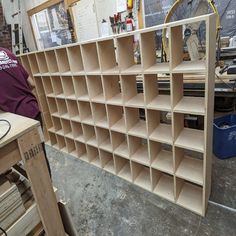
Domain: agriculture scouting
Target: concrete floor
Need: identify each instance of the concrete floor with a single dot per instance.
(102, 204)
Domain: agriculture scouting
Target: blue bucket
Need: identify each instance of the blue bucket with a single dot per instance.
(224, 136)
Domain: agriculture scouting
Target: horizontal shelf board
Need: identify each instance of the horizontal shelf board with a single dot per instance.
(80, 139)
(190, 67)
(139, 129)
(191, 105)
(122, 150)
(64, 149)
(165, 187)
(61, 95)
(52, 130)
(96, 162)
(102, 123)
(162, 134)
(75, 118)
(99, 98)
(191, 139)
(69, 135)
(135, 69)
(158, 68)
(74, 153)
(136, 101)
(60, 132)
(116, 100)
(71, 97)
(106, 145)
(114, 70)
(37, 74)
(66, 73)
(83, 98)
(141, 156)
(92, 141)
(125, 172)
(190, 197)
(45, 74)
(160, 102)
(55, 73)
(143, 179)
(84, 157)
(51, 95)
(191, 169)
(164, 162)
(119, 126)
(110, 166)
(88, 120)
(94, 72)
(81, 72)
(56, 114)
(65, 116)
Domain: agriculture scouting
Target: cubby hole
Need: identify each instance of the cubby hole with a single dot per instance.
(57, 125)
(43, 104)
(47, 83)
(61, 142)
(112, 89)
(62, 108)
(52, 138)
(66, 126)
(141, 175)
(107, 161)
(77, 131)
(106, 52)
(51, 61)
(93, 156)
(136, 122)
(187, 135)
(100, 115)
(122, 167)
(75, 59)
(138, 148)
(90, 58)
(25, 63)
(132, 89)
(163, 184)
(33, 63)
(189, 165)
(95, 88)
(129, 58)
(151, 50)
(73, 110)
(57, 86)
(156, 94)
(120, 144)
(185, 104)
(70, 145)
(159, 126)
(189, 195)
(81, 151)
(89, 135)
(85, 113)
(47, 120)
(43, 68)
(81, 90)
(68, 87)
(52, 106)
(116, 118)
(179, 46)
(103, 139)
(161, 157)
(62, 60)
(39, 85)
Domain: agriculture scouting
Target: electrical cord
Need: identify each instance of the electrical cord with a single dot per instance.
(8, 130)
(4, 232)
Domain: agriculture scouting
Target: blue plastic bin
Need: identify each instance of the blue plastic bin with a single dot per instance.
(224, 136)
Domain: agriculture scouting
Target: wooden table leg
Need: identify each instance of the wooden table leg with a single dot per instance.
(35, 165)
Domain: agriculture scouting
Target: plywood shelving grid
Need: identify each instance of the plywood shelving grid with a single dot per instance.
(93, 110)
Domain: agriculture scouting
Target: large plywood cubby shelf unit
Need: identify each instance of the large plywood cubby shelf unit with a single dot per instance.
(92, 109)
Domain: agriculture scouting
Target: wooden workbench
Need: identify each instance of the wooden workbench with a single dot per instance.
(23, 143)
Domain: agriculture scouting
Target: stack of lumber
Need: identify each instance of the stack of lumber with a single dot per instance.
(11, 205)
